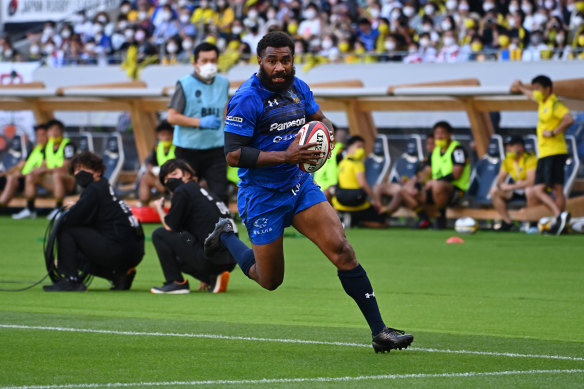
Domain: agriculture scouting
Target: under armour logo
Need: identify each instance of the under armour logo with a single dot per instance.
(369, 295)
(272, 102)
(295, 189)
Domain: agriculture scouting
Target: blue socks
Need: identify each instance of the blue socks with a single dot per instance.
(242, 254)
(357, 285)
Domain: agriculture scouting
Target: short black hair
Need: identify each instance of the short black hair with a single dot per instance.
(544, 81)
(55, 122)
(444, 124)
(205, 46)
(41, 126)
(274, 39)
(164, 126)
(515, 140)
(354, 139)
(89, 160)
(173, 164)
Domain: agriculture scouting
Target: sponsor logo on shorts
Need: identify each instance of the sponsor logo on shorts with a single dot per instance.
(234, 119)
(284, 126)
(261, 226)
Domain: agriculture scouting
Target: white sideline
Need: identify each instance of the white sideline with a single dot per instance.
(276, 340)
(298, 380)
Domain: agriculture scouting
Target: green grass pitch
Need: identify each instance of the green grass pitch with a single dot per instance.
(502, 310)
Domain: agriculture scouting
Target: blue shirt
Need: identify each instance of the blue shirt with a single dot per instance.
(201, 100)
(272, 121)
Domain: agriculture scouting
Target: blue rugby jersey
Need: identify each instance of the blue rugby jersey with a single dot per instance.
(272, 121)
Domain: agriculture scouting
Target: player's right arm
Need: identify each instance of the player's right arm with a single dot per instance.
(518, 86)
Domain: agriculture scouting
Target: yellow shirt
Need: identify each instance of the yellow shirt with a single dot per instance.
(348, 169)
(518, 169)
(549, 116)
(204, 15)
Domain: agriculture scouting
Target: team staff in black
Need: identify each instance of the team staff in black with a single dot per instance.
(98, 233)
(179, 244)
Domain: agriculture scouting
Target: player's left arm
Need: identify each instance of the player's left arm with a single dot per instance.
(459, 161)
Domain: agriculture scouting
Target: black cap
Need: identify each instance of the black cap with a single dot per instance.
(515, 140)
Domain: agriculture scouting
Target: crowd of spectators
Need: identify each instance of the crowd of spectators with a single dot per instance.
(142, 32)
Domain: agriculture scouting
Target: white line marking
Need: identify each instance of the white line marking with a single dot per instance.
(297, 380)
(297, 341)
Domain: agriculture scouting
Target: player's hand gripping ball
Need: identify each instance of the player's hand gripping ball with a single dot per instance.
(315, 132)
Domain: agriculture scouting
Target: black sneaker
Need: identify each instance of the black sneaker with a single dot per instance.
(66, 285)
(507, 227)
(123, 280)
(213, 242)
(561, 223)
(172, 287)
(391, 339)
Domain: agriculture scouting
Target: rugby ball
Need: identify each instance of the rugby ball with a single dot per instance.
(545, 224)
(315, 132)
(466, 225)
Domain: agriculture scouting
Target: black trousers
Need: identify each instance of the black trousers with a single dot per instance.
(181, 252)
(209, 165)
(81, 246)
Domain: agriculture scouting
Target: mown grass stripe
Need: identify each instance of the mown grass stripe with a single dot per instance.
(297, 341)
(301, 380)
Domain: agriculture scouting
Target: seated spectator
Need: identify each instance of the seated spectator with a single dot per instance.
(14, 178)
(167, 26)
(163, 151)
(450, 178)
(520, 166)
(353, 190)
(98, 235)
(367, 35)
(450, 49)
(179, 243)
(53, 175)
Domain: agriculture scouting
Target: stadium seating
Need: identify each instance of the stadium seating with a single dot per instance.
(531, 144)
(378, 162)
(113, 157)
(16, 152)
(83, 140)
(407, 164)
(572, 165)
(485, 172)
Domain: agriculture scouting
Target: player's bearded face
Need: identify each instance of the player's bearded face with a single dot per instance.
(267, 79)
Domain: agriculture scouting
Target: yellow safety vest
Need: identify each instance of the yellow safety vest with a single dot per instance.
(34, 160)
(442, 166)
(54, 158)
(161, 156)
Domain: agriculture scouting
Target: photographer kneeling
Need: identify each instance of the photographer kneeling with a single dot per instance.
(179, 244)
(98, 235)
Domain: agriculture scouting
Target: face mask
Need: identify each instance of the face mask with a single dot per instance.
(428, 9)
(540, 19)
(187, 45)
(166, 143)
(538, 95)
(409, 11)
(173, 183)
(292, 28)
(122, 25)
(503, 40)
(129, 34)
(140, 35)
(581, 40)
(526, 8)
(344, 47)
(102, 19)
(359, 154)
(448, 41)
(413, 50)
(208, 70)
(560, 39)
(360, 51)
(49, 49)
(253, 14)
(327, 44)
(442, 143)
(427, 28)
(476, 47)
(83, 178)
(535, 40)
(511, 22)
(310, 14)
(66, 34)
(184, 18)
(237, 30)
(511, 154)
(513, 8)
(469, 23)
(166, 16)
(395, 15)
(34, 50)
(549, 4)
(162, 2)
(97, 28)
(90, 47)
(451, 5)
(390, 45)
(578, 21)
(374, 13)
(488, 6)
(171, 48)
(48, 31)
(424, 42)
(446, 25)
(142, 15)
(571, 7)
(125, 9)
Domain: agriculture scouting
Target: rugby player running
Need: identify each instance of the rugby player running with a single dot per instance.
(262, 120)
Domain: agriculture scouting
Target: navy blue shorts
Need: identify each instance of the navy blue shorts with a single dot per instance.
(266, 213)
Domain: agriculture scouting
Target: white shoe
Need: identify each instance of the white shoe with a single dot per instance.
(25, 214)
(53, 213)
